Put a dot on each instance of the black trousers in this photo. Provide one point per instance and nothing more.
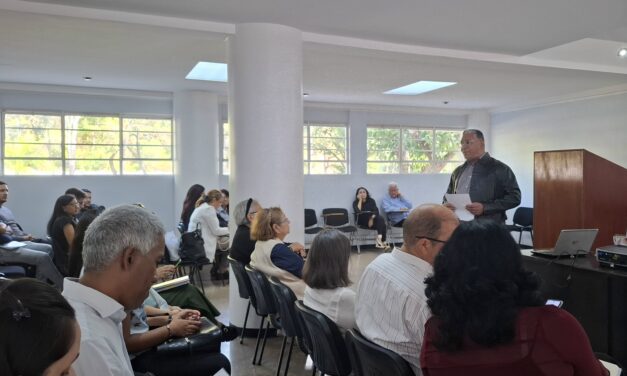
(378, 224)
(198, 364)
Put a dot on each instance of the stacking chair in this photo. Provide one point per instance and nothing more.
(523, 221)
(338, 218)
(311, 222)
(245, 289)
(290, 323)
(370, 359)
(328, 349)
(192, 268)
(266, 306)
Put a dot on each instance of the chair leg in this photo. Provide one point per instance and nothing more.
(289, 356)
(258, 338)
(520, 237)
(241, 340)
(278, 367)
(263, 346)
(202, 285)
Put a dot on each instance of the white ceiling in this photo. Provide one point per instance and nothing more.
(504, 53)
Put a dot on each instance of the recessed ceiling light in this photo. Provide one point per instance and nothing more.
(419, 87)
(208, 71)
(305, 94)
(622, 52)
(87, 78)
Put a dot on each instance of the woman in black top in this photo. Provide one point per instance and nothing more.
(193, 194)
(367, 215)
(243, 245)
(61, 228)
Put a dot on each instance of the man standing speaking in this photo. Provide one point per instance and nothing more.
(490, 183)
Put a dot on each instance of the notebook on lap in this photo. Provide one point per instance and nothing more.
(570, 243)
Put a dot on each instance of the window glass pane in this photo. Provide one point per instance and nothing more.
(417, 144)
(32, 167)
(147, 152)
(147, 167)
(325, 149)
(28, 150)
(447, 145)
(382, 168)
(147, 125)
(92, 167)
(415, 167)
(383, 144)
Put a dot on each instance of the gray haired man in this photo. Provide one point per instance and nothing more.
(120, 253)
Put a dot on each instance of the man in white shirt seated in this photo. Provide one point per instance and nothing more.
(120, 252)
(391, 307)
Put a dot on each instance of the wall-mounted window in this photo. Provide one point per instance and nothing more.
(325, 149)
(69, 144)
(412, 150)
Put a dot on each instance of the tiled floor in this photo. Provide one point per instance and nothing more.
(241, 355)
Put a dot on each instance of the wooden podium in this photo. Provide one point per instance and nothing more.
(577, 189)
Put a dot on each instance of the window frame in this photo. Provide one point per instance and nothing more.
(64, 158)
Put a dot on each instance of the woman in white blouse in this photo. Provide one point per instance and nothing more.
(326, 276)
(205, 218)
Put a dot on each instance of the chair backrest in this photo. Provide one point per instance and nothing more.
(523, 216)
(335, 217)
(329, 352)
(243, 282)
(310, 218)
(374, 360)
(285, 299)
(263, 292)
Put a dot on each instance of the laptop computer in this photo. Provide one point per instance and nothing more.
(576, 242)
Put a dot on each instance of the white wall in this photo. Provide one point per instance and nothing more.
(598, 125)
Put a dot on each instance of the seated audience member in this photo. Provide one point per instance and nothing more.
(80, 197)
(395, 205)
(274, 257)
(14, 230)
(189, 204)
(185, 296)
(489, 318)
(141, 343)
(40, 335)
(367, 215)
(391, 307)
(75, 263)
(205, 218)
(223, 210)
(120, 252)
(88, 205)
(61, 227)
(242, 246)
(326, 276)
(45, 270)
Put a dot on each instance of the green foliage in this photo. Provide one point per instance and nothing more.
(325, 149)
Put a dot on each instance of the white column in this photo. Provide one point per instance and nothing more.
(480, 119)
(266, 118)
(196, 123)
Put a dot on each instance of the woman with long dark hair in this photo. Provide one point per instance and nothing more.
(367, 215)
(488, 315)
(75, 263)
(40, 335)
(61, 227)
(193, 194)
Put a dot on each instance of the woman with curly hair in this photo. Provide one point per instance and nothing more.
(488, 315)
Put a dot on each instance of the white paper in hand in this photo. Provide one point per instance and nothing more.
(459, 201)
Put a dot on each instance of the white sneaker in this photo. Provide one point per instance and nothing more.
(379, 244)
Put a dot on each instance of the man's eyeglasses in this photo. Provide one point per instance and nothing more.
(432, 239)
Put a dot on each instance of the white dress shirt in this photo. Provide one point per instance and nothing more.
(391, 308)
(102, 350)
(337, 304)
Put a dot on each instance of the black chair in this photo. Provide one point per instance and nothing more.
(288, 317)
(244, 287)
(311, 222)
(266, 306)
(329, 351)
(192, 268)
(370, 359)
(338, 218)
(523, 221)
